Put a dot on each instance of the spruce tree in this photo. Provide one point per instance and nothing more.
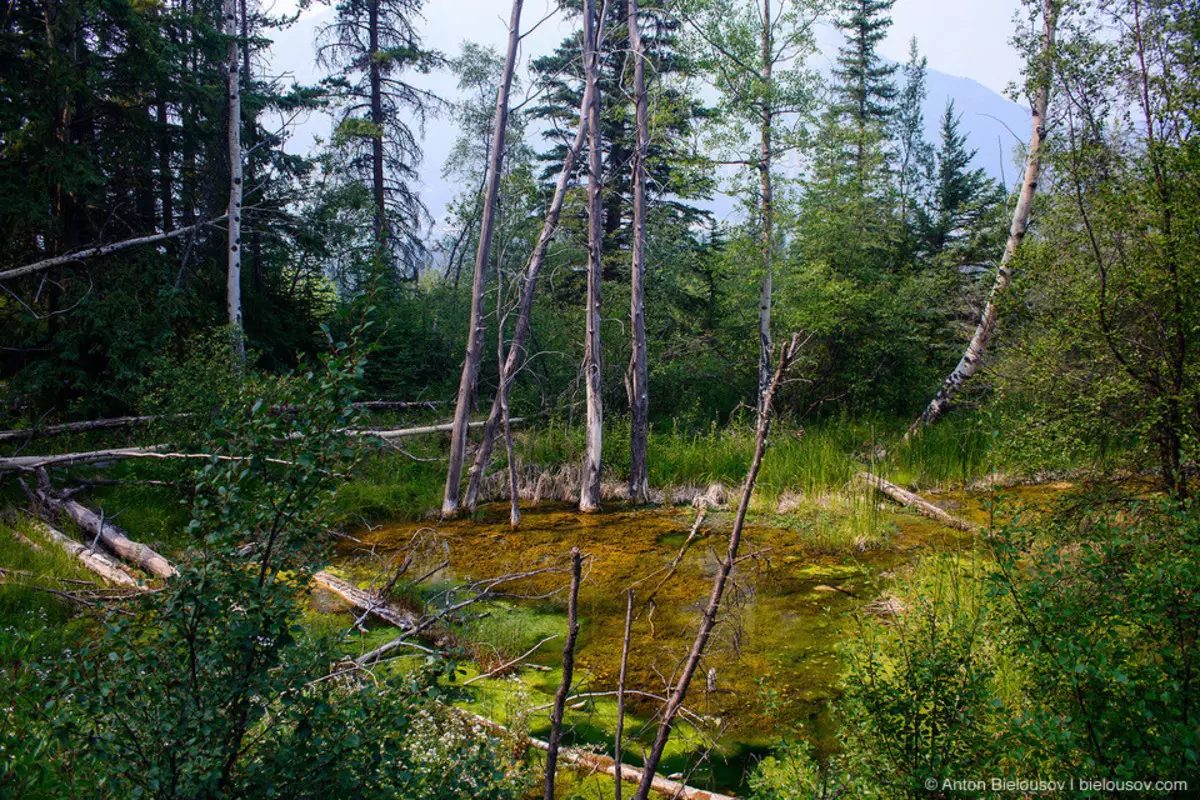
(960, 196)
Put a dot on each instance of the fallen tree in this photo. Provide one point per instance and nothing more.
(916, 502)
(367, 601)
(102, 530)
(102, 250)
(94, 561)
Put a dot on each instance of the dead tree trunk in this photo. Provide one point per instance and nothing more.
(98, 563)
(113, 537)
(368, 602)
(968, 365)
(514, 495)
(516, 348)
(767, 202)
(233, 276)
(589, 490)
(916, 502)
(470, 370)
(639, 392)
(568, 667)
(621, 692)
(709, 619)
(101, 250)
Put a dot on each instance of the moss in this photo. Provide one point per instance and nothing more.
(773, 656)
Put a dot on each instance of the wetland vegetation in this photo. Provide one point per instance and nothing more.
(881, 485)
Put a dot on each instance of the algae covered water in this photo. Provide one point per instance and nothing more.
(769, 672)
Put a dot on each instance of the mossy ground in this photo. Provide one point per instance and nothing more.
(773, 659)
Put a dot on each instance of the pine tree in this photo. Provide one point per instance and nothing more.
(914, 156)
(373, 43)
(960, 196)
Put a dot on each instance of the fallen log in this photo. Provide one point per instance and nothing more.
(80, 427)
(595, 762)
(113, 537)
(401, 433)
(97, 562)
(917, 503)
(364, 600)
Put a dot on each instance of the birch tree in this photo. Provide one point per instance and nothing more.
(589, 490)
(233, 275)
(470, 370)
(968, 365)
(754, 54)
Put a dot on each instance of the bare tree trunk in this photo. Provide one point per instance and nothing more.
(589, 490)
(470, 370)
(516, 348)
(709, 618)
(568, 667)
(100, 250)
(233, 278)
(94, 561)
(639, 392)
(915, 501)
(113, 537)
(768, 213)
(621, 690)
(378, 190)
(514, 497)
(968, 365)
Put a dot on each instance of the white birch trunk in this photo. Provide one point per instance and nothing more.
(969, 364)
(233, 277)
(470, 371)
(589, 490)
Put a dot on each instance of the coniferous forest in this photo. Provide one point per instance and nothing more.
(717, 419)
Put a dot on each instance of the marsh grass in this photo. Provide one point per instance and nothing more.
(21, 605)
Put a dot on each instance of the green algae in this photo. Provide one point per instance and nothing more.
(770, 670)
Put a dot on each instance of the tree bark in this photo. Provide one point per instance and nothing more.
(94, 561)
(639, 392)
(969, 364)
(709, 619)
(113, 537)
(589, 490)
(568, 667)
(516, 348)
(470, 370)
(233, 277)
(768, 212)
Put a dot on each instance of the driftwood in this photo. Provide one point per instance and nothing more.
(97, 562)
(363, 600)
(568, 667)
(916, 502)
(113, 537)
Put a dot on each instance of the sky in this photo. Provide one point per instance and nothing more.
(966, 39)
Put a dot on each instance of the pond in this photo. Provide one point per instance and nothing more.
(771, 667)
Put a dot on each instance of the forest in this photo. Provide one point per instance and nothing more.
(735, 430)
